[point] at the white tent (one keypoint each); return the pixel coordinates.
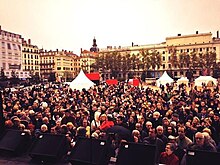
(164, 79)
(182, 80)
(81, 81)
(207, 80)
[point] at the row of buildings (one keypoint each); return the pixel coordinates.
(22, 58)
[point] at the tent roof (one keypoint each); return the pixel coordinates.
(205, 79)
(81, 81)
(93, 76)
(165, 77)
(183, 79)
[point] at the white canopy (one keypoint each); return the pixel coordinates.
(81, 81)
(205, 79)
(164, 79)
(183, 80)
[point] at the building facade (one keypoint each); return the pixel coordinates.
(30, 58)
(87, 58)
(198, 43)
(11, 54)
(59, 65)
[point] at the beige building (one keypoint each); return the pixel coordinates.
(60, 65)
(11, 54)
(198, 42)
(87, 58)
(30, 58)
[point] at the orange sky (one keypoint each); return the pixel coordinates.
(72, 24)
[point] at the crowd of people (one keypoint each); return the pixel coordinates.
(173, 119)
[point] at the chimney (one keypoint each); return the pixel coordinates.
(178, 34)
(57, 50)
(197, 32)
(81, 50)
(29, 41)
(132, 44)
(217, 34)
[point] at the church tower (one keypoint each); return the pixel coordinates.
(94, 47)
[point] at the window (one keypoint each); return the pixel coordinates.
(169, 65)
(187, 50)
(175, 74)
(24, 55)
(14, 47)
(214, 48)
(207, 49)
(58, 68)
(169, 58)
(3, 55)
(163, 66)
(4, 65)
(3, 45)
(164, 58)
(163, 52)
(9, 46)
(200, 49)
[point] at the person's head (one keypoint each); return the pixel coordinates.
(207, 130)
(70, 125)
(175, 117)
(159, 130)
(169, 129)
(148, 125)
(166, 121)
(131, 119)
(81, 132)
(152, 133)
(207, 122)
(216, 117)
(206, 135)
(170, 148)
(39, 115)
(200, 138)
(172, 139)
(103, 117)
(195, 120)
(138, 126)
(156, 115)
(44, 128)
(119, 120)
(85, 123)
(136, 133)
(181, 132)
